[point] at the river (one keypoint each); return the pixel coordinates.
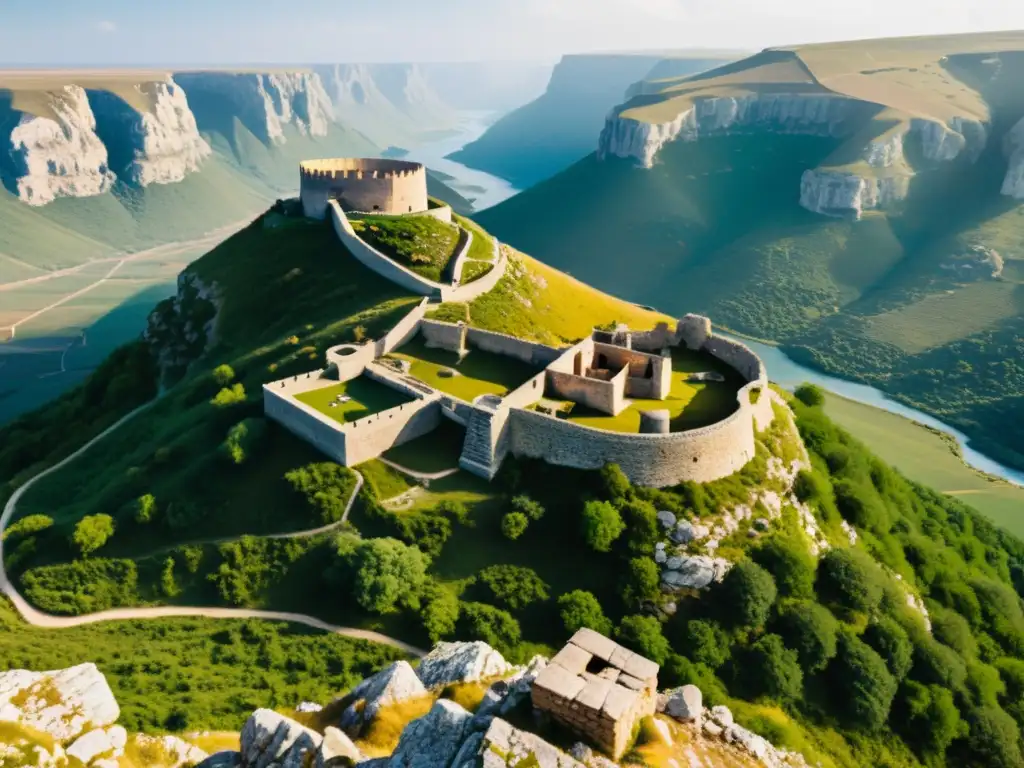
(488, 190)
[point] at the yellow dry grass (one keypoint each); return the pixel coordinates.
(381, 736)
(216, 741)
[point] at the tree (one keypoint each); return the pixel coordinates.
(643, 635)
(326, 487)
(928, 719)
(527, 506)
(92, 532)
(614, 483)
(145, 508)
(579, 609)
(223, 374)
(937, 664)
(439, 612)
(860, 504)
(890, 641)
(229, 396)
(168, 585)
(27, 526)
(810, 395)
(850, 580)
(706, 642)
(642, 582)
(789, 562)
(984, 685)
(812, 631)
(994, 739)
(642, 528)
(513, 585)
(864, 686)
(386, 573)
(746, 595)
(602, 525)
(514, 525)
(242, 440)
(773, 670)
(952, 629)
(494, 626)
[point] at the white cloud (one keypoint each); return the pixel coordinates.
(106, 26)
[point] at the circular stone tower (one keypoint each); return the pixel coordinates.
(367, 185)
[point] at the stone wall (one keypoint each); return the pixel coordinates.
(527, 393)
(453, 269)
(403, 331)
(441, 335)
(693, 331)
(466, 293)
(737, 355)
(377, 185)
(655, 340)
(604, 396)
(350, 360)
(280, 405)
(701, 455)
(368, 438)
(377, 261)
(655, 387)
(503, 344)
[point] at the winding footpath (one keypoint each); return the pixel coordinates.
(37, 618)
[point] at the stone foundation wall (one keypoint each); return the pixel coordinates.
(605, 396)
(503, 344)
(655, 340)
(403, 331)
(466, 293)
(528, 393)
(737, 355)
(349, 366)
(453, 269)
(700, 455)
(441, 335)
(280, 405)
(368, 438)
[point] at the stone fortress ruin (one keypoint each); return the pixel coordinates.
(613, 397)
(367, 185)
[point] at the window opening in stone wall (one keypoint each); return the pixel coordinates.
(694, 459)
(596, 665)
(376, 207)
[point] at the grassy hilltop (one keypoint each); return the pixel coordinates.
(175, 507)
(924, 299)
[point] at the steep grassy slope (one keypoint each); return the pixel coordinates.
(924, 298)
(559, 127)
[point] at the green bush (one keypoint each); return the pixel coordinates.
(384, 573)
(242, 440)
(849, 580)
(773, 670)
(864, 689)
(579, 609)
(643, 635)
(614, 483)
(82, 586)
(514, 586)
(810, 395)
(706, 642)
(642, 528)
(514, 525)
(602, 525)
(746, 595)
(789, 562)
(952, 629)
(890, 641)
(937, 664)
(994, 739)
(229, 396)
(145, 509)
(641, 583)
(527, 506)
(928, 719)
(27, 526)
(810, 630)
(439, 612)
(223, 374)
(479, 621)
(91, 533)
(326, 487)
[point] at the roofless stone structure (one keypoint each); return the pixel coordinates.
(598, 689)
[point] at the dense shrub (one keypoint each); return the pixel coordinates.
(937, 664)
(773, 670)
(27, 526)
(439, 612)
(641, 582)
(928, 719)
(746, 595)
(248, 566)
(890, 641)
(614, 483)
(243, 439)
(527, 506)
(514, 586)
(384, 573)
(91, 533)
(82, 586)
(705, 642)
(849, 580)
(810, 395)
(145, 509)
(789, 562)
(479, 621)
(642, 528)
(223, 374)
(579, 609)
(994, 739)
(810, 630)
(864, 689)
(326, 487)
(229, 396)
(602, 525)
(643, 635)
(952, 629)
(514, 525)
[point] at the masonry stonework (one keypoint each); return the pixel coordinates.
(362, 184)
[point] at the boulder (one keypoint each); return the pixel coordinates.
(396, 682)
(337, 750)
(433, 740)
(308, 706)
(270, 740)
(683, 532)
(685, 704)
(748, 740)
(711, 729)
(584, 754)
(225, 759)
(502, 746)
(660, 557)
(109, 742)
(505, 695)
(722, 715)
(60, 703)
(666, 518)
(696, 572)
(468, 662)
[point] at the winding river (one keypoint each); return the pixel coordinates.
(488, 190)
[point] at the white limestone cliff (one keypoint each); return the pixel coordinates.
(163, 144)
(835, 193)
(1013, 184)
(59, 156)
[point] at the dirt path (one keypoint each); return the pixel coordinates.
(39, 619)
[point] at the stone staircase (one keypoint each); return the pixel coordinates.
(478, 450)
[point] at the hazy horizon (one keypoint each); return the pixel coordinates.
(193, 33)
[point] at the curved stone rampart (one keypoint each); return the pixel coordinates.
(362, 184)
(453, 269)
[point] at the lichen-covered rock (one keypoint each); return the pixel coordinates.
(396, 682)
(696, 572)
(464, 662)
(59, 155)
(433, 740)
(337, 750)
(270, 740)
(502, 746)
(20, 751)
(106, 742)
(60, 703)
(161, 145)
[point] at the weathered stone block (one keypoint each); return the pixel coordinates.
(572, 658)
(594, 642)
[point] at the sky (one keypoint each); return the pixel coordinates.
(178, 32)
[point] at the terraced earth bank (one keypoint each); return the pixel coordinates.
(859, 203)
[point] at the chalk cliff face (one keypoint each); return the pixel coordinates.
(58, 156)
(266, 103)
(834, 193)
(809, 114)
(161, 146)
(1013, 185)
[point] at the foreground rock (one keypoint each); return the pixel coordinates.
(433, 740)
(270, 740)
(393, 684)
(61, 703)
(502, 745)
(460, 663)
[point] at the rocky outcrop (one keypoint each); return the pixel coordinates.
(433, 740)
(270, 740)
(697, 572)
(451, 663)
(685, 704)
(61, 704)
(837, 193)
(106, 742)
(167, 751)
(181, 328)
(393, 684)
(505, 695)
(502, 745)
(158, 146)
(814, 114)
(337, 750)
(1013, 146)
(266, 103)
(59, 155)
